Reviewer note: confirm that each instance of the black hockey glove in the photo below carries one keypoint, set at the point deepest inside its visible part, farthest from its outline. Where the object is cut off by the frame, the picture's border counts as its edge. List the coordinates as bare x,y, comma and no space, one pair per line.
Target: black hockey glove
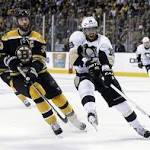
140,65
93,67
12,62
107,74
31,76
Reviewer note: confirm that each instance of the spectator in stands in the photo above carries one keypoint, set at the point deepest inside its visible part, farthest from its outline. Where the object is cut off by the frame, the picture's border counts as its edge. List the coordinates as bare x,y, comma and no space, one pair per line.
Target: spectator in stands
119,47
68,13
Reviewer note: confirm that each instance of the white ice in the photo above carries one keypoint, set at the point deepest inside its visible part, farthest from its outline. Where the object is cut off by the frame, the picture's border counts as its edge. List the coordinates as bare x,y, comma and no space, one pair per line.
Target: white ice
24,129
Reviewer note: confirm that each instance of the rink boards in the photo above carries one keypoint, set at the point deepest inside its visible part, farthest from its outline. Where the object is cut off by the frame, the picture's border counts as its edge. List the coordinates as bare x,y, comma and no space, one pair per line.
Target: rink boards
125,64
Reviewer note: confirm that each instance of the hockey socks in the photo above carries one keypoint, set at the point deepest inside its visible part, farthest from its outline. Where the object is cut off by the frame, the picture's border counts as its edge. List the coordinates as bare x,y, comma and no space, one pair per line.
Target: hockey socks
131,118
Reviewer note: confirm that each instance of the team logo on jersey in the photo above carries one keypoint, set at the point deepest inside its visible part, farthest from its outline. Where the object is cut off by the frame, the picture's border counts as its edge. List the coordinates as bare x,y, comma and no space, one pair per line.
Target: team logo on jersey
89,51
24,53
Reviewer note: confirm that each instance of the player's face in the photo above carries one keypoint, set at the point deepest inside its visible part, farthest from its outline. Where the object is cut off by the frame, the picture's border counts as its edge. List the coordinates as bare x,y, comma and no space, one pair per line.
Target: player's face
24,23
146,44
91,33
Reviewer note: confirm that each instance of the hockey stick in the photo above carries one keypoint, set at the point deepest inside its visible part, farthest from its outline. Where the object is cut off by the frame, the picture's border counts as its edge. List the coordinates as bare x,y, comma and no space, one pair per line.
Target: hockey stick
127,98
63,118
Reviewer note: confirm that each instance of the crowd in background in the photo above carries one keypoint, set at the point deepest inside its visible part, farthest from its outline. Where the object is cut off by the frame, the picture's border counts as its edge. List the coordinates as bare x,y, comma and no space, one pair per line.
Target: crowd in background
127,21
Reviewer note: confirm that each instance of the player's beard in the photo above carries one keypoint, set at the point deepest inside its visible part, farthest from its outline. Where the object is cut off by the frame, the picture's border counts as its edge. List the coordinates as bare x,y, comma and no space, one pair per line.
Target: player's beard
25,29
91,37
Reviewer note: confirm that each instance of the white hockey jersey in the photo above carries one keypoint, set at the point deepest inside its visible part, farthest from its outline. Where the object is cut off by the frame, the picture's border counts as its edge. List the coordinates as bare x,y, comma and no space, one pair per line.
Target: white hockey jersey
145,54
101,43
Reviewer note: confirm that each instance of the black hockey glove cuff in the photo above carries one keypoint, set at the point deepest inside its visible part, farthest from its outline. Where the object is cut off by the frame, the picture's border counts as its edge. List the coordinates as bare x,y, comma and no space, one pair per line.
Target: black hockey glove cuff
92,66
107,74
31,76
37,65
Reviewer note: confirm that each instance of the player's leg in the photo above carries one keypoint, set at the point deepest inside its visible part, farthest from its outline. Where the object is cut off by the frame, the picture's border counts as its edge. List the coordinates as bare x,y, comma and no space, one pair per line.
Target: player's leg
42,105
23,99
86,91
129,114
117,101
54,93
7,79
62,103
131,117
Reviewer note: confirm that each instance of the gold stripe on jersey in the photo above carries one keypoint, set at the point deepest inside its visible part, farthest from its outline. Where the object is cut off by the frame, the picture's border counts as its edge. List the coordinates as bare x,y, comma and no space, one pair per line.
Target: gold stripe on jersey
2,70
38,57
13,34
37,37
44,70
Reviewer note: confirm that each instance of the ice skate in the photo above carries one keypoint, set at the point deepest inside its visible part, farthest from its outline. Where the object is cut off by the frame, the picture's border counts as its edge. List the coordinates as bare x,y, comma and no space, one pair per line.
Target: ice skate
143,132
92,119
56,128
74,120
27,103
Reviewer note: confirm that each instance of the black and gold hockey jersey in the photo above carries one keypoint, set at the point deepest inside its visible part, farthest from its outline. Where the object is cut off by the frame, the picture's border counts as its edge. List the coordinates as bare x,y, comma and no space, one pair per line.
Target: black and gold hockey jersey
3,68
28,49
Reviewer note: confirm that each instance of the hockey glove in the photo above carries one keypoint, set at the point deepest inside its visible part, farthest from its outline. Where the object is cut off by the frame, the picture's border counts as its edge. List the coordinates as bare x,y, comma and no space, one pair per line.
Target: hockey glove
108,75
93,67
140,65
12,62
31,76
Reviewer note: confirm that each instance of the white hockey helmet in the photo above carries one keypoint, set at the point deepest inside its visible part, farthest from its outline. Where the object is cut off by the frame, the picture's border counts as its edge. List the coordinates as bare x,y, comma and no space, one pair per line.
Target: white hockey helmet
89,26
146,42
145,39
89,22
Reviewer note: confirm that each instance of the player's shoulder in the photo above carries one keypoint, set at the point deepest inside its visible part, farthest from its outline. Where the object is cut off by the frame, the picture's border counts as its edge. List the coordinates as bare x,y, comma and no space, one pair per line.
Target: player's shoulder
103,38
12,34
140,47
104,42
37,37
77,35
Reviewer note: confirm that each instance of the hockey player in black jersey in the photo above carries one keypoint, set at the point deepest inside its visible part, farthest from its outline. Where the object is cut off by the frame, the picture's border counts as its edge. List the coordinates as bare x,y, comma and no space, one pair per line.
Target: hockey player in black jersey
5,76
26,49
92,56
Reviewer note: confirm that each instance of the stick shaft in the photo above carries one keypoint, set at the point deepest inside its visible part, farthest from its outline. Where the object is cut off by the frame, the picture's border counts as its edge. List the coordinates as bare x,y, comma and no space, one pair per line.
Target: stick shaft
63,118
127,98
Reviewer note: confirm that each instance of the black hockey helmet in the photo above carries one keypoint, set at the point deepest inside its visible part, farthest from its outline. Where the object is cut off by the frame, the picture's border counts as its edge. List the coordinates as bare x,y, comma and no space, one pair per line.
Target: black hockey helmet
26,25
22,13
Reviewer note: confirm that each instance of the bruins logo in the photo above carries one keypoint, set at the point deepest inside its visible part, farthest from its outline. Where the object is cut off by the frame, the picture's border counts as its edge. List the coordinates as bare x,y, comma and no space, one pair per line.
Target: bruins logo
24,53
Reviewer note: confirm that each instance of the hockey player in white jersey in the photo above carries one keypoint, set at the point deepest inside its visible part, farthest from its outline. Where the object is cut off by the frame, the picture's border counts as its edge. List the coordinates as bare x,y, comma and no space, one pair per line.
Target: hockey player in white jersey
91,54
143,54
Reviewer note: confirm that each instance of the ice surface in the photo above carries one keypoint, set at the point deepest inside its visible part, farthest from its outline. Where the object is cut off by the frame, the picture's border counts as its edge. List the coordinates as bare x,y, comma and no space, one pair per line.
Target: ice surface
24,129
